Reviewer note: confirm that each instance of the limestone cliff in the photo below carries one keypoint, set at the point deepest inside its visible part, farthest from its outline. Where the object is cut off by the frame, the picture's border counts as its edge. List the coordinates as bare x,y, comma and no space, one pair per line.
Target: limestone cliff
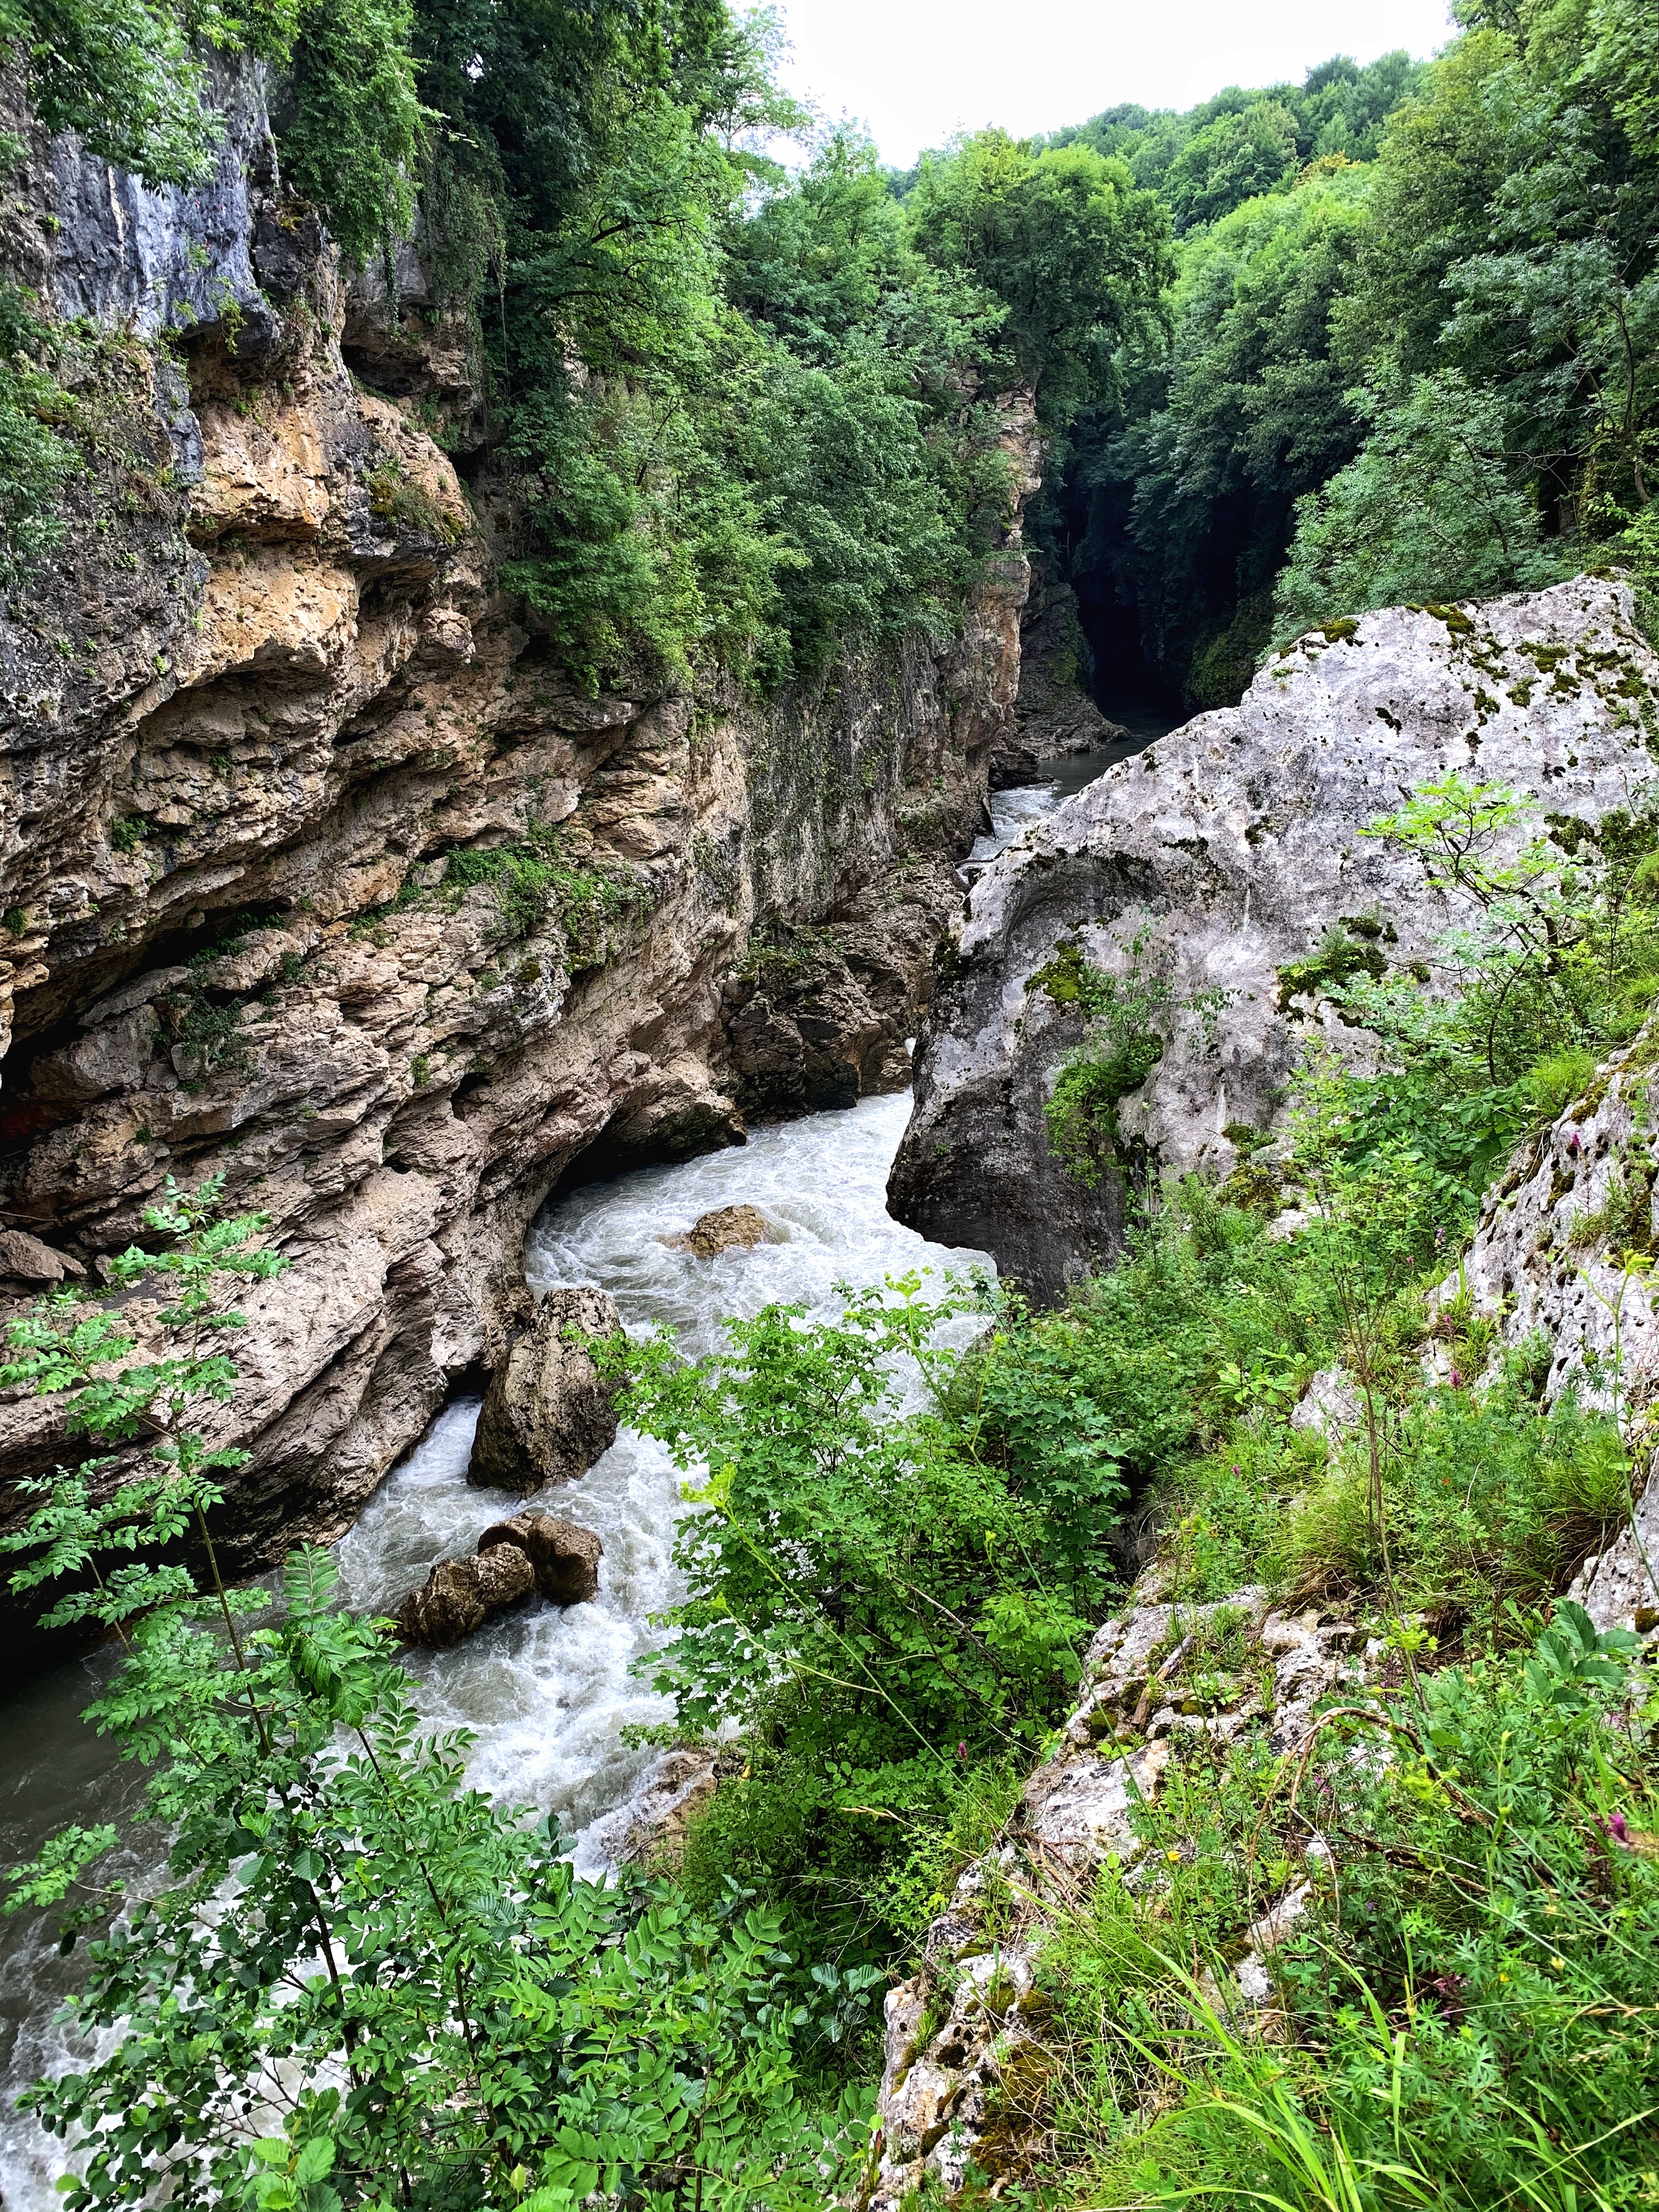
1228,863
317,871
1054,712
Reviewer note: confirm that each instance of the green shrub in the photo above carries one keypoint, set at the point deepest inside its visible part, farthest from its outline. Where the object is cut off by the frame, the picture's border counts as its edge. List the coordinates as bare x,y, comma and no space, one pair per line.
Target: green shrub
1462,2011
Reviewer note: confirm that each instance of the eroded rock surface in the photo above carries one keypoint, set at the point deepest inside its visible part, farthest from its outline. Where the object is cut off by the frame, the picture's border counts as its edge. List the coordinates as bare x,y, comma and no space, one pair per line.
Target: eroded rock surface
277,765
1234,850
564,1558
548,1415
968,2075
1561,1259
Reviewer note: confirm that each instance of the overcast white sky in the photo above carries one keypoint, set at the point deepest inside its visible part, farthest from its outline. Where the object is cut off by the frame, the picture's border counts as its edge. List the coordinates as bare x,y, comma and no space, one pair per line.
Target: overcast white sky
912,71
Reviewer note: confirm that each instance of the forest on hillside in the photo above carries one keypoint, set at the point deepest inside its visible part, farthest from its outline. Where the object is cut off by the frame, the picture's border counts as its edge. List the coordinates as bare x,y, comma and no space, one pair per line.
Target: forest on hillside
1390,334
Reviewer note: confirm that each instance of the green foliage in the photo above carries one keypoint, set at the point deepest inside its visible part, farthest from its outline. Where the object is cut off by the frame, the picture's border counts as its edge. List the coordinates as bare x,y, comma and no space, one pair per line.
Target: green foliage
1192,503
119,72
1128,1018
1062,238
358,128
884,1603
1426,511
1447,384
36,462
359,1979
1460,2011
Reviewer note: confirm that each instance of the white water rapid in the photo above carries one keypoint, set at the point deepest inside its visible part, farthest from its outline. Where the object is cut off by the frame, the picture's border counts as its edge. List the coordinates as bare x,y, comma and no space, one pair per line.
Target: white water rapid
546,1692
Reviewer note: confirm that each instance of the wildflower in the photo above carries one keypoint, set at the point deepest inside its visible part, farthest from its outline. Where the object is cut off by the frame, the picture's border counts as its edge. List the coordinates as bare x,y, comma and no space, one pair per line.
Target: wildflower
962,1751
1616,1825
1456,1379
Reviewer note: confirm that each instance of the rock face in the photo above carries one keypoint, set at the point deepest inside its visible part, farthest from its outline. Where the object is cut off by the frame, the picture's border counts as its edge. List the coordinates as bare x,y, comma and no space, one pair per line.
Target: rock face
1562,1251
966,2074
547,1416
278,767
564,1559
1233,850
1054,712
728,1229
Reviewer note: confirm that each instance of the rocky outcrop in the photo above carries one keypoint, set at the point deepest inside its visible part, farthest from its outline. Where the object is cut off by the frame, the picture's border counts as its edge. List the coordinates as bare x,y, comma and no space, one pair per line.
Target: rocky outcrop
1054,713
548,1415
967,2079
318,873
1228,863
1562,1257
564,1558
728,1229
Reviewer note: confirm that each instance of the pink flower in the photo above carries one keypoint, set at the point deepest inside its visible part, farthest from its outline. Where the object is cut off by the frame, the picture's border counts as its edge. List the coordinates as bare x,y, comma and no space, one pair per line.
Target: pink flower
1616,1826
962,1751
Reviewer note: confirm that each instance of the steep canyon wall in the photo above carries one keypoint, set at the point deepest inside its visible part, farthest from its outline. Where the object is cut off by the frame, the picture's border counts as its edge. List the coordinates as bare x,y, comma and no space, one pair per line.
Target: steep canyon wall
319,873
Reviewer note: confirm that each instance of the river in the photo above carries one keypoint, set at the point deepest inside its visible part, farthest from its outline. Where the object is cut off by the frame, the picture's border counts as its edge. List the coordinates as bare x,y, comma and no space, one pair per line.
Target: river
545,1692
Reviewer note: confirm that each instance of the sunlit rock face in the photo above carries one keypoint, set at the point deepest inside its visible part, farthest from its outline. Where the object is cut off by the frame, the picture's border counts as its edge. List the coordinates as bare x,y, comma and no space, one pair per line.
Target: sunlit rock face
1231,850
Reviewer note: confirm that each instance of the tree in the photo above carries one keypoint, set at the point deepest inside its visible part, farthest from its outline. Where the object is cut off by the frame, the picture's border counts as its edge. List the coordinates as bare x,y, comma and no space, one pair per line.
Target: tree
1078,255
1426,511
360,1983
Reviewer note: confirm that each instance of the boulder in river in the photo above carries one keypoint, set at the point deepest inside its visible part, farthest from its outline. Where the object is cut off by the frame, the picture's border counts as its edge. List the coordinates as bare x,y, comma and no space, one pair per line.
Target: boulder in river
728,1229
460,1594
1227,870
548,1414
564,1559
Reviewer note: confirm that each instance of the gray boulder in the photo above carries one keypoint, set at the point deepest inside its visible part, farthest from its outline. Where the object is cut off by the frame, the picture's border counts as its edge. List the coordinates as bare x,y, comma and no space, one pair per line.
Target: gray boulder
547,1415
564,1559
1233,850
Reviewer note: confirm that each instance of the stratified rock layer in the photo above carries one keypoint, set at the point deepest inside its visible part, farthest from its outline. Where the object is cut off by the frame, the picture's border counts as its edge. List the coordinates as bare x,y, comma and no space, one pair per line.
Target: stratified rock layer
547,1415
1231,849
275,756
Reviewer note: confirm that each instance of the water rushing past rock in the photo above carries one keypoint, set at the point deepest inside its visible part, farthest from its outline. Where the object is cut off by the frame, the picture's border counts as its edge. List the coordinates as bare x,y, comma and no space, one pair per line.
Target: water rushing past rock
1233,852
547,1415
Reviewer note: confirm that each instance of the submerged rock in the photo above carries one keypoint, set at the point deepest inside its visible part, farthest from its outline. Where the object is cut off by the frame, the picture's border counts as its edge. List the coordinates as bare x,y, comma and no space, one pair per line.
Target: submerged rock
728,1228
564,1558
547,1414
1229,861
676,1789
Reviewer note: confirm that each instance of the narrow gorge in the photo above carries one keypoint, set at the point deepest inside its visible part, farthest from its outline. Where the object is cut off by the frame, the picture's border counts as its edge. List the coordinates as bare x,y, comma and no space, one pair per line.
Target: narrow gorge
828,1011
